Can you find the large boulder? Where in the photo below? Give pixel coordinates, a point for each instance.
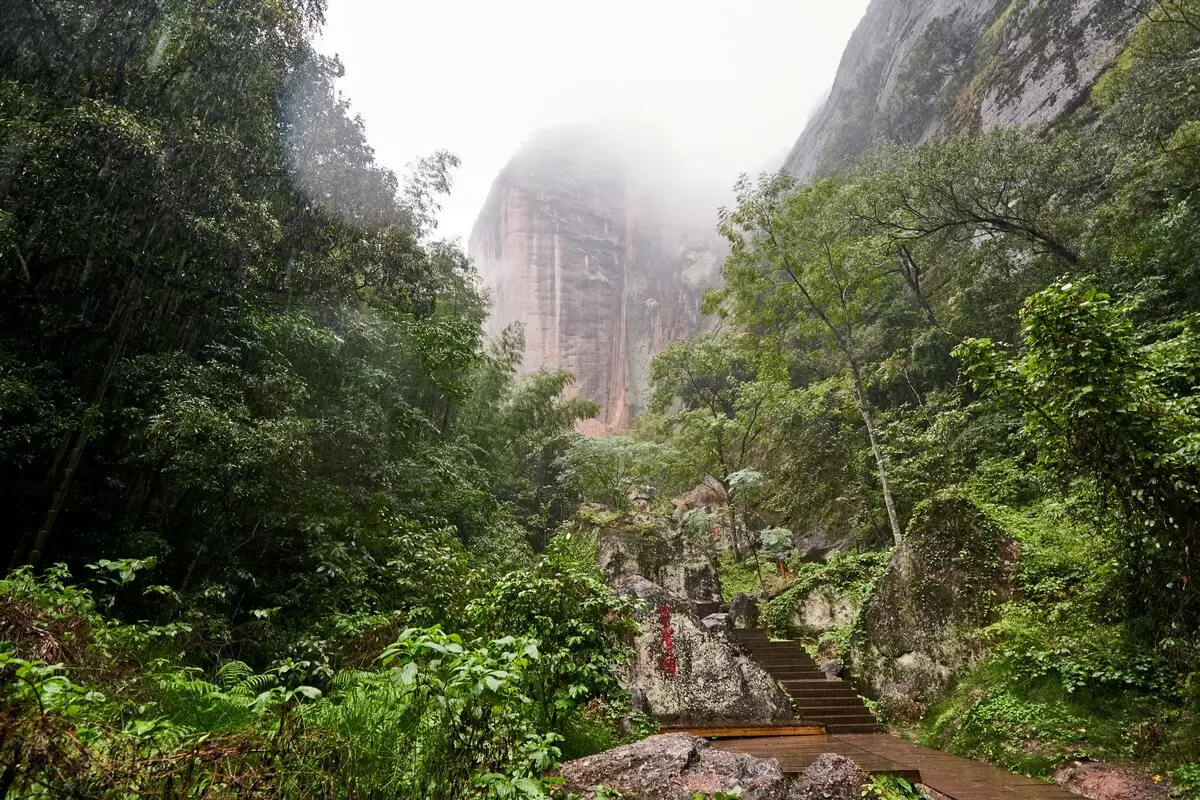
(658, 549)
(673, 767)
(920, 629)
(822, 609)
(743, 611)
(681, 672)
(830, 777)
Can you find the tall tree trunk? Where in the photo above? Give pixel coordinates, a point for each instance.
(880, 462)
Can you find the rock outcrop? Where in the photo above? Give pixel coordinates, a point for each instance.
(743, 611)
(658, 549)
(603, 253)
(674, 767)
(1097, 781)
(681, 672)
(919, 630)
(679, 766)
(919, 69)
(830, 777)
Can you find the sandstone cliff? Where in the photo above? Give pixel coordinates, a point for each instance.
(603, 253)
(916, 69)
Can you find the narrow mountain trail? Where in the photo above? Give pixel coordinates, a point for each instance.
(832, 718)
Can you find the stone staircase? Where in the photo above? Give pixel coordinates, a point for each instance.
(818, 698)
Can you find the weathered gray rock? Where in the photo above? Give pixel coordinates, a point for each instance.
(658, 549)
(833, 669)
(743, 611)
(919, 631)
(830, 777)
(918, 70)
(674, 767)
(717, 624)
(1097, 781)
(700, 676)
(821, 610)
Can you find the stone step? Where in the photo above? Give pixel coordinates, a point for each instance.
(788, 675)
(798, 675)
(785, 660)
(829, 701)
(837, 715)
(833, 689)
(823, 682)
(841, 729)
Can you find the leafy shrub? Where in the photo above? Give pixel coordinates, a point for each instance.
(851, 575)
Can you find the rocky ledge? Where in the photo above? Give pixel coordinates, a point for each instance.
(679, 766)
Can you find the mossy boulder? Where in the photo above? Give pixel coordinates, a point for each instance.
(657, 548)
(826, 596)
(920, 629)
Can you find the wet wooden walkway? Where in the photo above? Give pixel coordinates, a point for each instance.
(833, 719)
(955, 778)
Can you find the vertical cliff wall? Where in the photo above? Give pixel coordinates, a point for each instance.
(603, 253)
(917, 69)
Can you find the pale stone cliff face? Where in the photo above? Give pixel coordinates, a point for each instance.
(602, 256)
(918, 69)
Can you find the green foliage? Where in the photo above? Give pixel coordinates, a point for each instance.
(848, 575)
(605, 470)
(1187, 782)
(440, 714)
(887, 787)
(776, 543)
(1066, 677)
(582, 630)
(1118, 406)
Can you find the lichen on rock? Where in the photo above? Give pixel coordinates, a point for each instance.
(682, 672)
(921, 628)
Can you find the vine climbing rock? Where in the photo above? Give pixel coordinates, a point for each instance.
(920, 629)
(674, 767)
(682, 673)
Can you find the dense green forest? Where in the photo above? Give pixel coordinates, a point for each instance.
(284, 523)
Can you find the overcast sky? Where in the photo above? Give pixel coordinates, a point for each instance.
(728, 84)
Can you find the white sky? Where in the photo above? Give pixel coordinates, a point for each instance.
(728, 83)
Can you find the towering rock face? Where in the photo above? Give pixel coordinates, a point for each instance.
(917, 69)
(603, 254)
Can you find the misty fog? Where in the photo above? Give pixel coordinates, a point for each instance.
(724, 86)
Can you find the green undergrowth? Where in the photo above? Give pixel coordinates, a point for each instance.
(888, 787)
(848, 575)
(119, 710)
(739, 577)
(1067, 676)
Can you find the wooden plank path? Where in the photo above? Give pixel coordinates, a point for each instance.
(880, 754)
(833, 719)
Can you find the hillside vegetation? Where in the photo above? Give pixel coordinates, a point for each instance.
(289, 525)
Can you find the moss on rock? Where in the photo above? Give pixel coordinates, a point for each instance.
(920, 629)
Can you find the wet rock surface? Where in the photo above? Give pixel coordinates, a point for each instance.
(917, 70)
(674, 767)
(743, 611)
(656, 548)
(830, 777)
(1097, 781)
(602, 251)
(920, 629)
(681, 672)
